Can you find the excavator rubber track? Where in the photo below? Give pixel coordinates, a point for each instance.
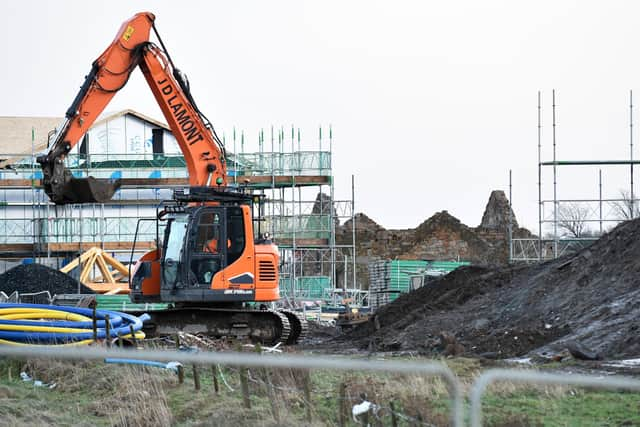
(299, 326)
(264, 326)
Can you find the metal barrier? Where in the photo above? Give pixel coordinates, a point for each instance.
(535, 377)
(257, 360)
(342, 364)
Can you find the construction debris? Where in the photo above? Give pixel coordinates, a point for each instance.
(36, 383)
(589, 297)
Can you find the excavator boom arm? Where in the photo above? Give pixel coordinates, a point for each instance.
(203, 152)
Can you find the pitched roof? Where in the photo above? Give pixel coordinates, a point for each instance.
(111, 116)
(22, 135)
(19, 135)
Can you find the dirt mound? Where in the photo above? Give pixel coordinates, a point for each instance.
(591, 297)
(29, 278)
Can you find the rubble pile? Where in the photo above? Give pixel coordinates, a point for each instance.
(32, 278)
(589, 299)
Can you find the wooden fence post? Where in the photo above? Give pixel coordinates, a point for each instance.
(394, 418)
(180, 374)
(134, 340)
(107, 330)
(95, 322)
(306, 384)
(342, 405)
(365, 419)
(244, 385)
(214, 371)
(272, 396)
(365, 416)
(196, 377)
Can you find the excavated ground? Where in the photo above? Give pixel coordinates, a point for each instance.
(31, 278)
(591, 298)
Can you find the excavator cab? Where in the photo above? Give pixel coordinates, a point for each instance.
(200, 243)
(209, 254)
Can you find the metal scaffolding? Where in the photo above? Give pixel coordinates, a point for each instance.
(557, 214)
(300, 213)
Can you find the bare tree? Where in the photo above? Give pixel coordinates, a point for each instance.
(626, 208)
(572, 219)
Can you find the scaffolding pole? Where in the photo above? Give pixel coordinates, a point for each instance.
(626, 204)
(631, 201)
(353, 228)
(510, 230)
(555, 183)
(539, 178)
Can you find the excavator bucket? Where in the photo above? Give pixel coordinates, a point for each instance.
(87, 190)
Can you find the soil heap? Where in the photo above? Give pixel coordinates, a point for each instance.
(591, 298)
(31, 278)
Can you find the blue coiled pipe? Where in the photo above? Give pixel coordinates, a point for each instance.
(120, 324)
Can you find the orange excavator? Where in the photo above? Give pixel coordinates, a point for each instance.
(214, 288)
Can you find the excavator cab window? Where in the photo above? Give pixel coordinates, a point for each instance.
(208, 233)
(209, 252)
(175, 237)
(235, 233)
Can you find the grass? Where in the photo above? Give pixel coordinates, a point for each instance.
(571, 408)
(95, 394)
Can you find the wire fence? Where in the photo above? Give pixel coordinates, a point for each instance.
(251, 360)
(235, 370)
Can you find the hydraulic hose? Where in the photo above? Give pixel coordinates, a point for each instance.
(39, 324)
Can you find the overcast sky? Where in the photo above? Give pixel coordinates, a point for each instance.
(431, 102)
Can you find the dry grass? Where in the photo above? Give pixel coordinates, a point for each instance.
(126, 395)
(94, 394)
(505, 388)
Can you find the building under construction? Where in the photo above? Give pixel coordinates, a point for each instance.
(293, 174)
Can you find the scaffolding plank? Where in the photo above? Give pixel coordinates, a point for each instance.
(20, 183)
(285, 180)
(250, 180)
(16, 247)
(107, 246)
(302, 242)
